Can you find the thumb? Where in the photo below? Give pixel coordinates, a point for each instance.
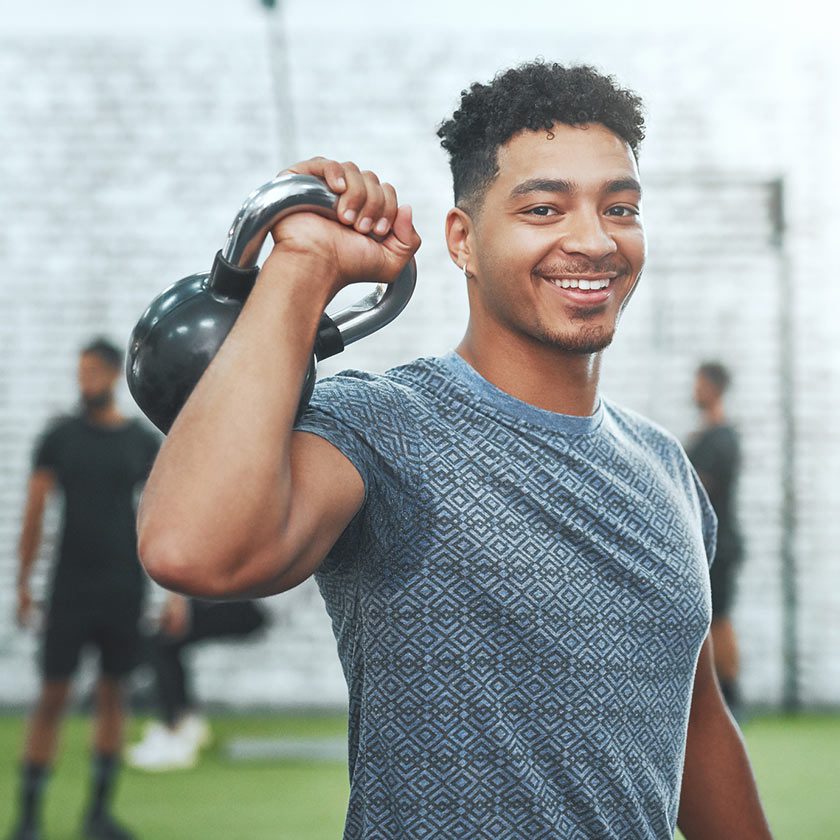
(403, 238)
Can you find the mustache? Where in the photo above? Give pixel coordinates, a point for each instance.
(582, 267)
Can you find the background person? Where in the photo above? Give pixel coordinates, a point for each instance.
(96, 458)
(174, 742)
(715, 453)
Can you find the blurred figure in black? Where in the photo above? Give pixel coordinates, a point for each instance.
(715, 453)
(174, 742)
(97, 458)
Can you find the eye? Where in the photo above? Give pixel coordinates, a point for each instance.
(541, 210)
(622, 211)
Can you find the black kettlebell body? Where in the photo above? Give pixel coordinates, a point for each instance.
(183, 328)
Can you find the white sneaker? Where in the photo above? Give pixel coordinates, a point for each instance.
(161, 751)
(195, 729)
(153, 732)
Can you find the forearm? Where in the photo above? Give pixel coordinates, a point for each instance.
(719, 799)
(26, 559)
(30, 540)
(220, 487)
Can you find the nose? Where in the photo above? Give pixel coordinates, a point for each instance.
(586, 235)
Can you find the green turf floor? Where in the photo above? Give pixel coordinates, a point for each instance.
(797, 762)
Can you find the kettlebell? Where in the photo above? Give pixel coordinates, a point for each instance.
(183, 328)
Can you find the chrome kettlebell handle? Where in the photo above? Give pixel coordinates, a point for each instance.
(293, 193)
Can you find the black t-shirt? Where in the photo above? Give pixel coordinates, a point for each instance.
(99, 469)
(715, 454)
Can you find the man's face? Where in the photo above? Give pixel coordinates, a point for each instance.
(97, 380)
(562, 215)
(705, 392)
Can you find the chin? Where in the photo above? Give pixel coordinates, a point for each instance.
(583, 342)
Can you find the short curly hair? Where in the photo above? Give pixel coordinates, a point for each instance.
(531, 97)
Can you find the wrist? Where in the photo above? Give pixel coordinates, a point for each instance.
(315, 275)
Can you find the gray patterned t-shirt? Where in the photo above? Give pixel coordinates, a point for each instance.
(519, 606)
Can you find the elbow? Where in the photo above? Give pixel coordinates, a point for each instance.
(171, 563)
(199, 571)
(165, 562)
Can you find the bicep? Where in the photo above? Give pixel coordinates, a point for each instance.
(41, 483)
(327, 493)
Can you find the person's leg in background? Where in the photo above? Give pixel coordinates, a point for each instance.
(107, 745)
(724, 642)
(726, 659)
(175, 742)
(118, 638)
(65, 633)
(39, 754)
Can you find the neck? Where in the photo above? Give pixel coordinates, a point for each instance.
(108, 415)
(714, 415)
(536, 373)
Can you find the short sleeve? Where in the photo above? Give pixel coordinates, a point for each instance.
(362, 415)
(344, 410)
(47, 450)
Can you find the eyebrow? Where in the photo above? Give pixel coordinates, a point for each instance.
(561, 185)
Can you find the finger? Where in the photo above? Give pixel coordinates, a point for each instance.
(370, 214)
(334, 176)
(389, 211)
(312, 166)
(403, 237)
(328, 170)
(353, 199)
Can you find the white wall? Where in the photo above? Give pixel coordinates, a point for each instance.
(130, 134)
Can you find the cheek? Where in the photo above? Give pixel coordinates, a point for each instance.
(633, 246)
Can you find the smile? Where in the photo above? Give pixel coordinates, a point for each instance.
(580, 283)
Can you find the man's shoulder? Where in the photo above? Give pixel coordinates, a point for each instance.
(60, 425)
(142, 430)
(645, 431)
(397, 388)
(661, 448)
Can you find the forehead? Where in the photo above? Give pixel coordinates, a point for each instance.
(588, 155)
(93, 362)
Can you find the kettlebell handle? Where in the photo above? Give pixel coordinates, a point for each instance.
(294, 193)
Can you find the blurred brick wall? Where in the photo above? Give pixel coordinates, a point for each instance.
(125, 157)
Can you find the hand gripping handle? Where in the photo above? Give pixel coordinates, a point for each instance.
(295, 193)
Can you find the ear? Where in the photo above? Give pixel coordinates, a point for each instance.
(459, 237)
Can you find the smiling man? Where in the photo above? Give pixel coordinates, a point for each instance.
(516, 568)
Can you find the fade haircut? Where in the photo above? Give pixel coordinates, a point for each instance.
(717, 374)
(106, 351)
(530, 97)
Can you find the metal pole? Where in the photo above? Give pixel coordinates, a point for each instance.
(278, 57)
(791, 699)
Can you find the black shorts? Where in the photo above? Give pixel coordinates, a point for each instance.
(109, 625)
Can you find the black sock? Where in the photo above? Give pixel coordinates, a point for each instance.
(105, 767)
(33, 777)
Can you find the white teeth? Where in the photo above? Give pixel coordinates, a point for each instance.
(583, 284)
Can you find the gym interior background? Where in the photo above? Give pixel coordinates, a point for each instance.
(130, 134)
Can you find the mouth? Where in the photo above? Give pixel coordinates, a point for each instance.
(587, 291)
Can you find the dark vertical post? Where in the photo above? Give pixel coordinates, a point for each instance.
(791, 699)
(278, 58)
